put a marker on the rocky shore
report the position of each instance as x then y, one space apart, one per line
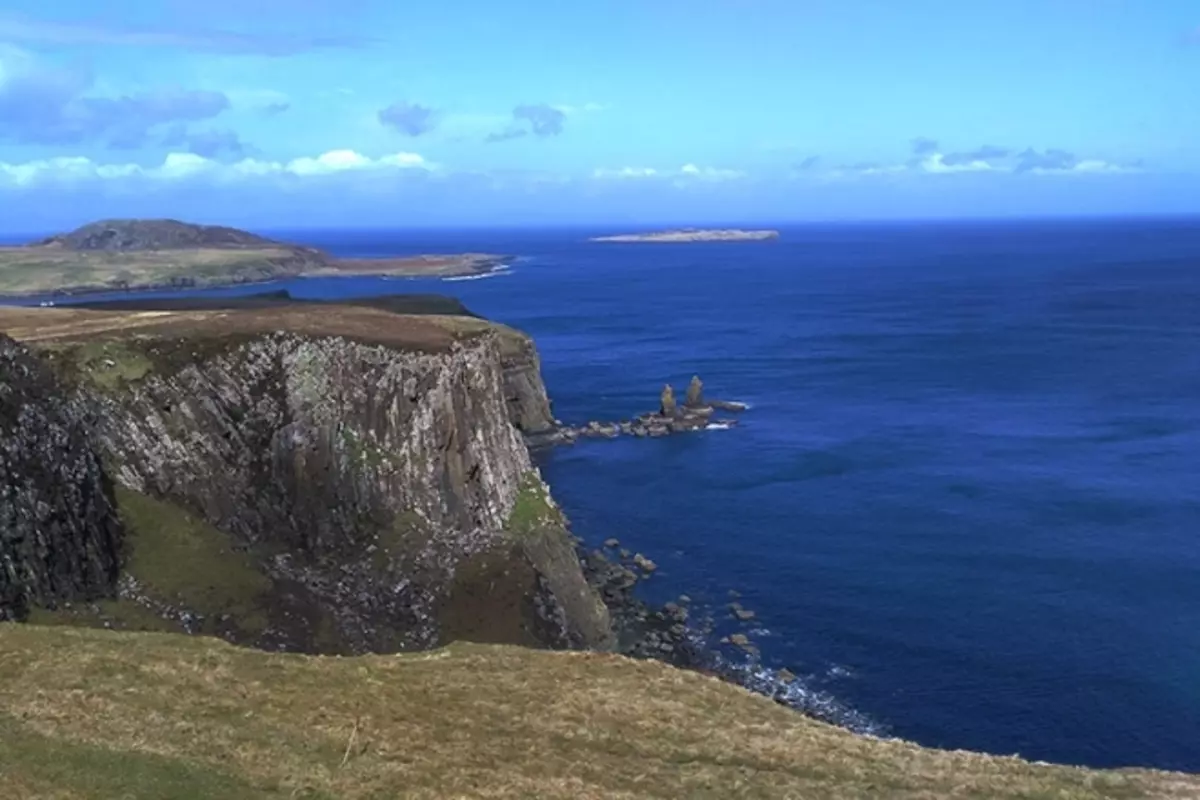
695 413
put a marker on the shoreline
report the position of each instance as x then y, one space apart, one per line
479 266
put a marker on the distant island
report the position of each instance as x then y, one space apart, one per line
692 235
136 254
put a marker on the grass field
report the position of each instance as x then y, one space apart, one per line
98 714
28 271
42 270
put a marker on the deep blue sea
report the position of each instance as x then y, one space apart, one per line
966 501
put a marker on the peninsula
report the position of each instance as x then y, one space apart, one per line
693 235
132 254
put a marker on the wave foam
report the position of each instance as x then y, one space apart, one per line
497 272
716 426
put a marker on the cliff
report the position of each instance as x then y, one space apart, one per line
322 479
59 531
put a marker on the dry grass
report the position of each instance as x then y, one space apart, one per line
427 332
100 714
41 270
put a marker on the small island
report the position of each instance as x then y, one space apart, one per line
138 254
693 235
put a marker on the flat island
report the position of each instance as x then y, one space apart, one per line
117 255
692 235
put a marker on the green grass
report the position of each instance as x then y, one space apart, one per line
108 365
52 767
39 270
181 562
533 511
99 714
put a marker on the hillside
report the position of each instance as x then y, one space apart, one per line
97 714
125 255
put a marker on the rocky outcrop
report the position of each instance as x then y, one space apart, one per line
59 531
364 468
695 414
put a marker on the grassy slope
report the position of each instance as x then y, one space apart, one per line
33 270
100 714
40 270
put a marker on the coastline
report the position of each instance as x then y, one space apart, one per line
466 265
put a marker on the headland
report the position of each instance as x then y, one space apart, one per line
139 254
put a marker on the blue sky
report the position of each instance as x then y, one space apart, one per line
365 112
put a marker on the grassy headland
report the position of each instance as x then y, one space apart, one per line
99 714
156 254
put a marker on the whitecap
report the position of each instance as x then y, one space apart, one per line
497 272
717 426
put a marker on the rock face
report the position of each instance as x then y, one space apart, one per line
59 532
524 392
379 495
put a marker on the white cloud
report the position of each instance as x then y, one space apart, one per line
178 166
1087 166
586 108
935 163
686 172
626 172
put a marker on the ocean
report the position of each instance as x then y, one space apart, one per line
964 502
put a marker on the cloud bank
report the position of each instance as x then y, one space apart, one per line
177 166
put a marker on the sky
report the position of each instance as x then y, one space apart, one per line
466 113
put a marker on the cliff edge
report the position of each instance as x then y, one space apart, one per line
333 479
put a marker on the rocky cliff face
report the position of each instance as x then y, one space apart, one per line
524 392
59 531
372 492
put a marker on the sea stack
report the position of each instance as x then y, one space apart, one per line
695 393
667 405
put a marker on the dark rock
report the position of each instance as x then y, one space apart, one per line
60 534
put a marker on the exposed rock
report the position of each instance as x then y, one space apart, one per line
644 564
740 613
694 414
612 544
739 640
785 675
366 466
667 406
60 536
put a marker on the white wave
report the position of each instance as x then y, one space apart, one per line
495 273
717 426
